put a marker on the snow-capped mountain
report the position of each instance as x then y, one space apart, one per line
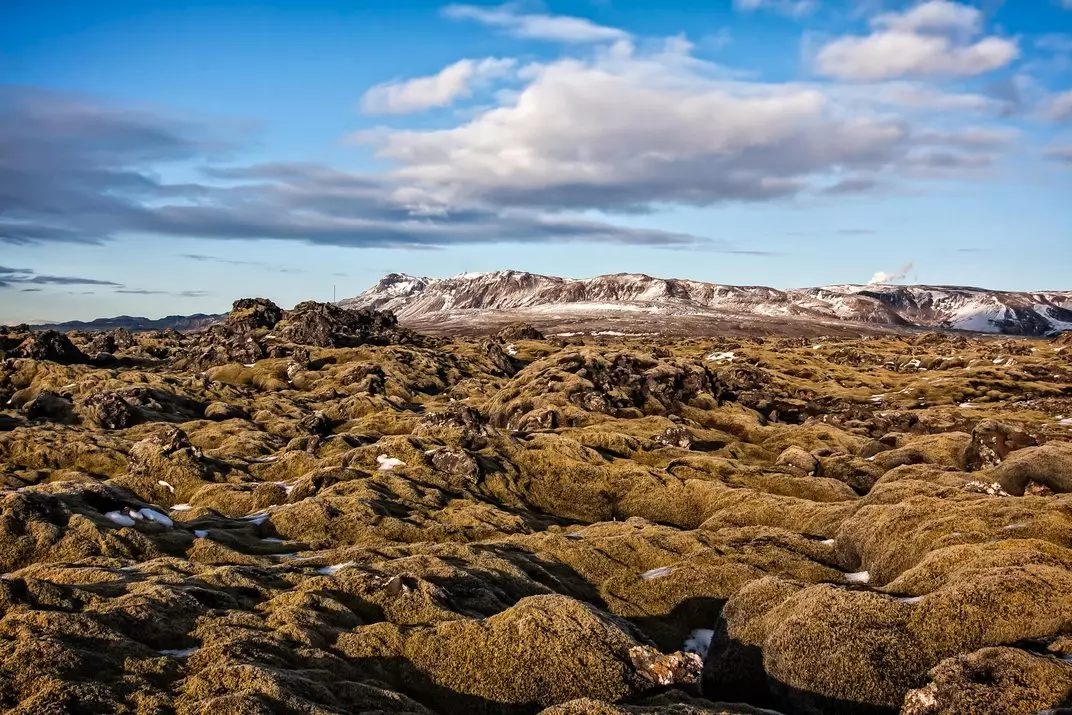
528 296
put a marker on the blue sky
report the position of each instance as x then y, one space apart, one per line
162 157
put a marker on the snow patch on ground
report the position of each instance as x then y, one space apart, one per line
154 515
720 357
858 577
656 573
167 486
178 652
258 518
699 642
388 463
334 569
118 517
909 599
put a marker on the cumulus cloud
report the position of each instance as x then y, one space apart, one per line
629 130
935 38
536 26
883 277
793 8
442 89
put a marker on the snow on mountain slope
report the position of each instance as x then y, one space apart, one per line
529 294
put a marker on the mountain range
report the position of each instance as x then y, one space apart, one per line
633 303
644 303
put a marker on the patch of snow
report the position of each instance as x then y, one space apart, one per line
201 533
998 361
154 515
288 488
332 570
828 542
656 573
120 518
720 357
858 577
966 405
388 463
181 507
178 652
258 518
909 599
1066 421
274 540
699 642
167 486
511 349
249 364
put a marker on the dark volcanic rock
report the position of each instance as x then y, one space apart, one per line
53 346
327 325
108 410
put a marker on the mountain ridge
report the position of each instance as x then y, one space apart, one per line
416 299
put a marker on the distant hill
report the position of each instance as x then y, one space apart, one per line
182 323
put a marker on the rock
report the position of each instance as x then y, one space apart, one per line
993 441
316 423
108 410
52 346
674 669
992 681
327 325
798 459
250 314
455 462
519 331
1049 465
48 405
675 437
223 411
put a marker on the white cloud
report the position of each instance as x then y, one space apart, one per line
1060 107
935 16
793 8
931 39
453 82
626 129
884 277
537 26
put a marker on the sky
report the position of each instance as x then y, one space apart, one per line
160 157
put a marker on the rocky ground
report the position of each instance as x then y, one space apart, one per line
317 511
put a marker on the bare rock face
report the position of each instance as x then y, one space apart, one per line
52 346
251 314
108 410
328 325
457 463
993 441
519 331
48 405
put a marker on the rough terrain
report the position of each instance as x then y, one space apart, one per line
319 511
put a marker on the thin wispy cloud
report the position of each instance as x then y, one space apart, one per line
536 26
13 277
